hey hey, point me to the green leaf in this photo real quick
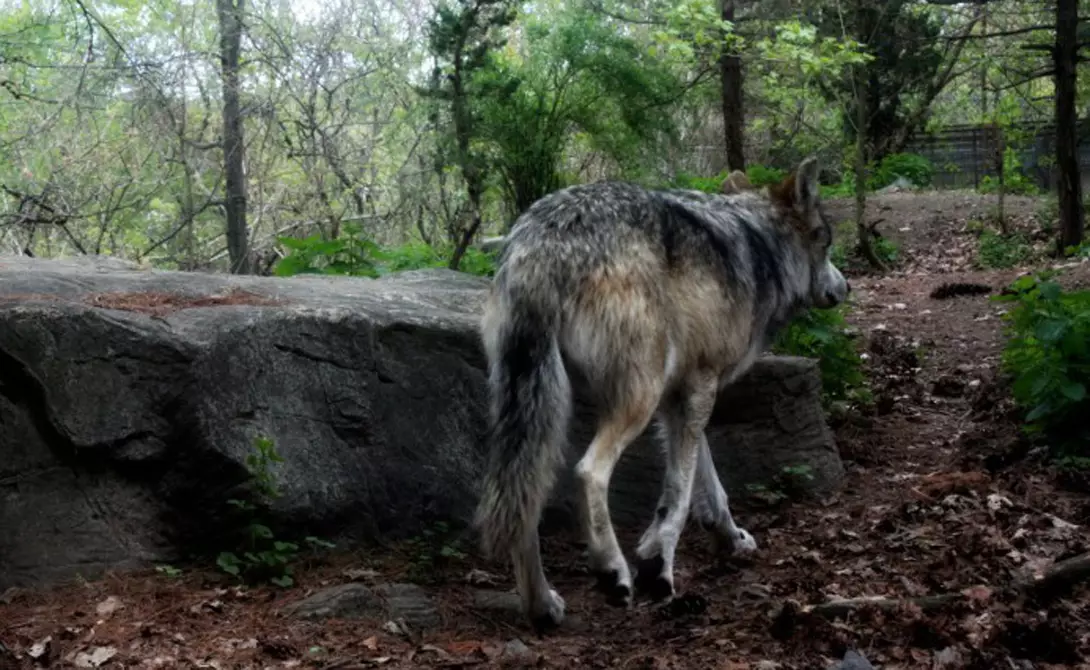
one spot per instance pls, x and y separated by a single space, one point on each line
1073 391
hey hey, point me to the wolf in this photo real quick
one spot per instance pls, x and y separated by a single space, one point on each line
653 301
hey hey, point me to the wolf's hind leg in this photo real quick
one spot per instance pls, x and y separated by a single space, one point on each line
542 604
620 426
711 508
683 418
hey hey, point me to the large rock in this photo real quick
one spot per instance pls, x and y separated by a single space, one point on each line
129 400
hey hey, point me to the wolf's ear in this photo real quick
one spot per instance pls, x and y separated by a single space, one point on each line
736 182
806 184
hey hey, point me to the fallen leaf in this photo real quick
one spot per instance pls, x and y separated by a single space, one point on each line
371 643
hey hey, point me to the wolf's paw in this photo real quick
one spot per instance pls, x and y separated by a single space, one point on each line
547 616
654 579
743 543
616 586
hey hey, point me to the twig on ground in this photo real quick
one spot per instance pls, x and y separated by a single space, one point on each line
1045 584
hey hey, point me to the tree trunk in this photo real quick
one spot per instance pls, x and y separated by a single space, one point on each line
862 116
230 14
730 75
1065 55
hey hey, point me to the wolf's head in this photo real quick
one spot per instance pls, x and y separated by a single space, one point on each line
798 197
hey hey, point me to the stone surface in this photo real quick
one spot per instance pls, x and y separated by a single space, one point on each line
129 400
382 602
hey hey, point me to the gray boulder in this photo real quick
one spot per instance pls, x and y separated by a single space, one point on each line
129 400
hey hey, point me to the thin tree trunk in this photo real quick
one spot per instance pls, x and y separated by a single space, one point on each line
1000 151
230 14
1065 54
730 75
862 116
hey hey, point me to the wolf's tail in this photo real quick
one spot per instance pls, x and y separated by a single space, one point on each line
530 407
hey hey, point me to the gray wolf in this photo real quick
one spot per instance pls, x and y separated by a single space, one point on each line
654 301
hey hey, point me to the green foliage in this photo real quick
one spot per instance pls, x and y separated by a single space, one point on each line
997 251
1015 182
823 334
168 570
760 175
886 250
354 255
1048 354
433 550
261 556
577 79
913 167
705 184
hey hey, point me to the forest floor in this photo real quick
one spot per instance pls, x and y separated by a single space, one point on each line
942 496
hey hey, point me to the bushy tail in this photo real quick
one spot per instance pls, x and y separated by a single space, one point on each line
530 406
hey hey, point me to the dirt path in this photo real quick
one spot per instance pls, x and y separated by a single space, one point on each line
940 498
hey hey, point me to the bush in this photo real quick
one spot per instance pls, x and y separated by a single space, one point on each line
759 175
998 251
354 255
1048 355
913 167
705 184
823 334
1014 181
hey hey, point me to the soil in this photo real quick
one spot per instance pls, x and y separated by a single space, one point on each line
943 495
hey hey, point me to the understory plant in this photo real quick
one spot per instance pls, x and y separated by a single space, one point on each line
1047 354
823 334
352 254
260 555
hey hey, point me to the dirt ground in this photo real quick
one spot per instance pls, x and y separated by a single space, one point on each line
942 496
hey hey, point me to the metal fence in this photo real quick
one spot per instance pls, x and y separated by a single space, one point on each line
964 155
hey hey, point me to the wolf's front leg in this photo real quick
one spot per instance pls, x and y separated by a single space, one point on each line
711 508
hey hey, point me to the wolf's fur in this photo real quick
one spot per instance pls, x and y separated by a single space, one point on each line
654 300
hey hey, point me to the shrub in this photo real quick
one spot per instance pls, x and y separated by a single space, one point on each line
354 255
913 167
998 251
1014 181
705 184
760 175
1047 353
823 334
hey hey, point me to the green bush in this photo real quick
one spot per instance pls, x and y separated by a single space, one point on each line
760 175
705 184
1047 353
354 255
913 167
1014 181
823 334
996 251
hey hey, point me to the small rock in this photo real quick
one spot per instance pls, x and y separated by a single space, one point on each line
108 606
478 577
515 649
499 601
356 601
40 650
99 656
947 658
853 660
